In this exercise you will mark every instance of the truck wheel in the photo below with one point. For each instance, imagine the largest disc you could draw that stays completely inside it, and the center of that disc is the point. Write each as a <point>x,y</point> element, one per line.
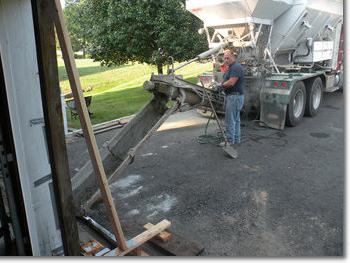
<point>296,106</point>
<point>314,97</point>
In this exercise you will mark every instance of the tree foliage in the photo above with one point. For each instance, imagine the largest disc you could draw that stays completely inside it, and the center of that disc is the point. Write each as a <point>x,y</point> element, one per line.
<point>76,21</point>
<point>145,31</point>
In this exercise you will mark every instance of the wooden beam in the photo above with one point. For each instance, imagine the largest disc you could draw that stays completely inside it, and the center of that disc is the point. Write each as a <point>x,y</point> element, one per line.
<point>140,239</point>
<point>140,253</point>
<point>74,81</point>
<point>43,15</point>
<point>163,236</point>
<point>143,253</point>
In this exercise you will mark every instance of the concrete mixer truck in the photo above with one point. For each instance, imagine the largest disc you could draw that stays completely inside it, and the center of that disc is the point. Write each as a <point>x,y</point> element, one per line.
<point>291,50</point>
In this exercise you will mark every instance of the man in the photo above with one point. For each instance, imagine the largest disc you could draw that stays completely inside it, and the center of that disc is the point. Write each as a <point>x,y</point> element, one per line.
<point>233,86</point>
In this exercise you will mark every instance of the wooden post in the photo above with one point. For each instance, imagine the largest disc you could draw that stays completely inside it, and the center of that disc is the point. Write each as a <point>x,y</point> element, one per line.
<point>74,80</point>
<point>43,15</point>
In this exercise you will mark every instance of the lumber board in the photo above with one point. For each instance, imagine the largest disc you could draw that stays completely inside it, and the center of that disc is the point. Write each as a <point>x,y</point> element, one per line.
<point>140,239</point>
<point>141,253</point>
<point>163,236</point>
<point>89,136</point>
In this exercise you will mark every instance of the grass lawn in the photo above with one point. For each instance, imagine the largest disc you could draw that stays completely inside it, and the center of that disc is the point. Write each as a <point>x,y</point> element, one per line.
<point>116,91</point>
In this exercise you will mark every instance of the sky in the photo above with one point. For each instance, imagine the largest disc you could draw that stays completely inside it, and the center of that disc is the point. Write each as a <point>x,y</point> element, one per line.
<point>62,2</point>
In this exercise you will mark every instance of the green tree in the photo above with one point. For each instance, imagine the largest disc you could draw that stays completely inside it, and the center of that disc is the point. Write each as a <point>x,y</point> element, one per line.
<point>145,31</point>
<point>76,23</point>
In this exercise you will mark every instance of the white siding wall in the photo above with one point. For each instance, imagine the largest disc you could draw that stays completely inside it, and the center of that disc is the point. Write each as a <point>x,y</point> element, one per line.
<point>19,61</point>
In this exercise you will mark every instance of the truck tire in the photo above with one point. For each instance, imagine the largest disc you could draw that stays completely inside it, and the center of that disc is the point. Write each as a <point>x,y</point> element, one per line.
<point>296,106</point>
<point>314,97</point>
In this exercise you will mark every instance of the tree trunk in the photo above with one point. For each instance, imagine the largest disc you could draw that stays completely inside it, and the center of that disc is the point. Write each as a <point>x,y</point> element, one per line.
<point>84,44</point>
<point>160,68</point>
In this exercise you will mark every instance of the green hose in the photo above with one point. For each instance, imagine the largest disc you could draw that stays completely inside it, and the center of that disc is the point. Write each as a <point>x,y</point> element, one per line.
<point>209,138</point>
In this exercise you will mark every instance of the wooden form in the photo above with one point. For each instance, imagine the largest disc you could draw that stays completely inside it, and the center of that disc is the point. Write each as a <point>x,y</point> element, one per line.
<point>141,239</point>
<point>94,153</point>
<point>166,243</point>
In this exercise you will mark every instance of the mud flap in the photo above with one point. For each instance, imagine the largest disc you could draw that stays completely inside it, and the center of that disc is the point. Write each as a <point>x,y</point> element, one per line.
<point>273,114</point>
<point>273,106</point>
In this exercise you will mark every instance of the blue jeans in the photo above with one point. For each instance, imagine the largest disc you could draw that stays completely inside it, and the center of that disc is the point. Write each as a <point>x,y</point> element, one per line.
<point>234,104</point>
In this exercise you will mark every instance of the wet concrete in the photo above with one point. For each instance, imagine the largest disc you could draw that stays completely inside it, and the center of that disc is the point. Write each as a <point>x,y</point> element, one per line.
<point>283,196</point>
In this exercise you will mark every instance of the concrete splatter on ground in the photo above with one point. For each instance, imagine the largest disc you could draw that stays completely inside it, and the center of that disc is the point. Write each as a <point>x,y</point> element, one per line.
<point>132,212</point>
<point>130,192</point>
<point>153,214</point>
<point>126,182</point>
<point>148,154</point>
<point>166,203</point>
<point>261,197</point>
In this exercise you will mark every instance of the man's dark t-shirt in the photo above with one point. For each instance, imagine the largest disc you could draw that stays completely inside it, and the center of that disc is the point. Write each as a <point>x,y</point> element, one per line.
<point>235,70</point>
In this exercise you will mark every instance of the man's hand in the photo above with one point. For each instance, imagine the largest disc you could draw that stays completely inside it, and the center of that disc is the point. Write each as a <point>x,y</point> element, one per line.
<point>219,87</point>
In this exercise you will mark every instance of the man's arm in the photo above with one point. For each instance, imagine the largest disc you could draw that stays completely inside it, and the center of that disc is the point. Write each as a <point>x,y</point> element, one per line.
<point>230,82</point>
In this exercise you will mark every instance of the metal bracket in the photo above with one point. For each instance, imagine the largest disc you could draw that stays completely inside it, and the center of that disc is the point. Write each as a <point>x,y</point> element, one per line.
<point>37,121</point>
